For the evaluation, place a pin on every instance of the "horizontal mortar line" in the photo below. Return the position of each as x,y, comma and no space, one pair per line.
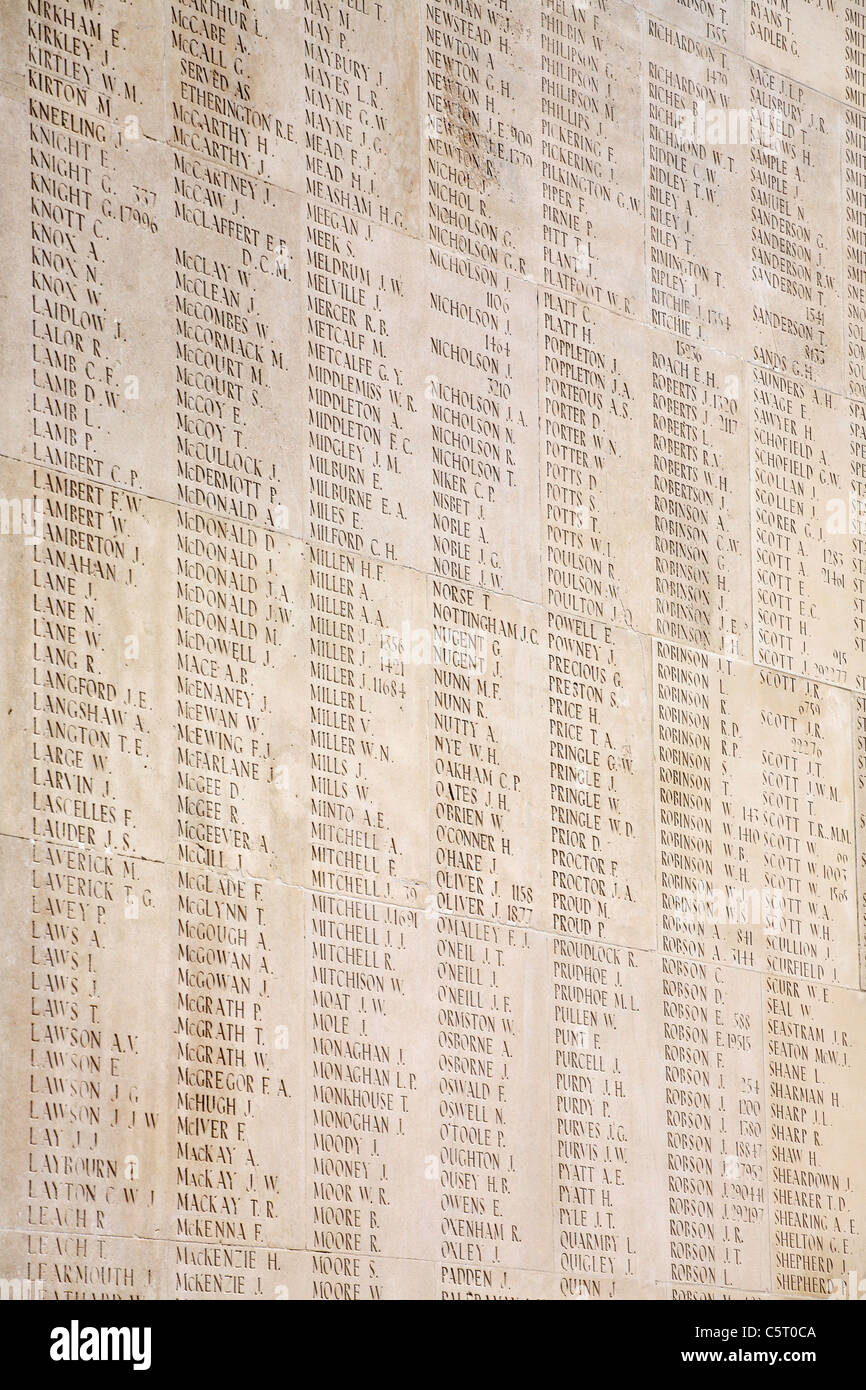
433,1261
540,285
526,279
171,1240
545,933
592,303
525,69
543,608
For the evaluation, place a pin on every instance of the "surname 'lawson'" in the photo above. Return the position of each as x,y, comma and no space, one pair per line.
75,1343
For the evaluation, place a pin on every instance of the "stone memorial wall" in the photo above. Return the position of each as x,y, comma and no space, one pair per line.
433,584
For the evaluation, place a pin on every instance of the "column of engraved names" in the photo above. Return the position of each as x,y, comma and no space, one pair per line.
766,884
97,1119
357,260
814,1062
591,165
486,836
480,179
694,188
481,152
699,479
599,788
799,418
234,242
365,948
851,509
713,1094
367,860
854,174
698,126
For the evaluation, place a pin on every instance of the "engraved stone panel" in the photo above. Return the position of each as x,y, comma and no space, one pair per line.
433,691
